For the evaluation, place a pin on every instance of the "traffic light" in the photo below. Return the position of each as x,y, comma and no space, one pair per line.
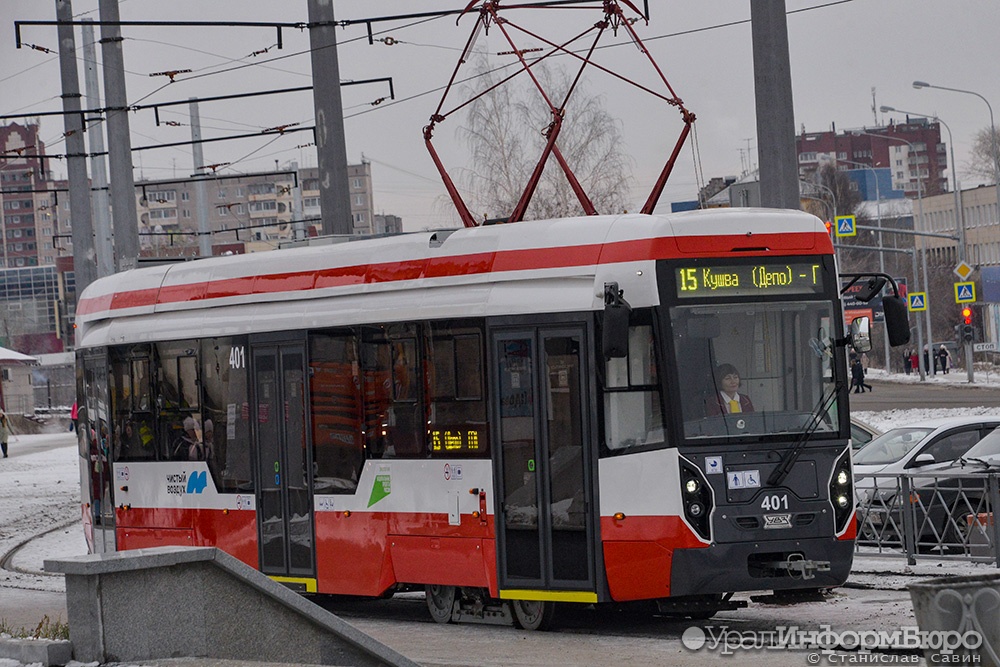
967,315
968,333
829,227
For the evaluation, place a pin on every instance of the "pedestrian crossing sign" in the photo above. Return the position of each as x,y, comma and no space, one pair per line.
965,292
845,225
918,301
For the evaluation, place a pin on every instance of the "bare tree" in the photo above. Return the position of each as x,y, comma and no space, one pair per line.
505,134
982,161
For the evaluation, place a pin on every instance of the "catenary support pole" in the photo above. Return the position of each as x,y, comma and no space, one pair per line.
126,226
779,169
331,145
201,189
98,163
84,257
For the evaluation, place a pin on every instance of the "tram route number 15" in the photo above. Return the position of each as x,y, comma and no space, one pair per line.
237,357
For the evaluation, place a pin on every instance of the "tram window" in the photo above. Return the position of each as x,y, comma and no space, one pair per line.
404,371
457,411
633,413
226,410
178,375
336,410
177,395
132,431
394,414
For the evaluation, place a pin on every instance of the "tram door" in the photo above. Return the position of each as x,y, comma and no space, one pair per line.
545,528
94,436
284,465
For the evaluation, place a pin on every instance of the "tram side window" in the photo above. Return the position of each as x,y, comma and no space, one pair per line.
226,410
632,405
133,426
337,413
177,396
457,417
394,414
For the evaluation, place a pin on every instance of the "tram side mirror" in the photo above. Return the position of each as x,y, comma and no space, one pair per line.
615,331
870,289
861,336
897,321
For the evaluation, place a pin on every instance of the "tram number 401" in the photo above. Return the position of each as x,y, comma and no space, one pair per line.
237,357
774,502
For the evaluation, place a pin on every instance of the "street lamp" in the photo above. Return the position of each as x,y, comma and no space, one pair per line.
993,130
921,366
959,214
833,197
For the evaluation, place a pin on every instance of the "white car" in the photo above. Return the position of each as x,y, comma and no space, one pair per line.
862,433
924,446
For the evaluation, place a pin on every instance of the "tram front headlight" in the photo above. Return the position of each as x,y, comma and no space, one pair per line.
843,479
692,486
843,501
696,509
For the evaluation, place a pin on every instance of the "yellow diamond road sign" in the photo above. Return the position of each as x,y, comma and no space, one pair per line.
963,270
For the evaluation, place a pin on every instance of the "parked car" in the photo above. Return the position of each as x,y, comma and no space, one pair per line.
958,498
862,433
929,446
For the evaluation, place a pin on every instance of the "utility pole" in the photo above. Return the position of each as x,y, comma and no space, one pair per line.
84,258
779,169
201,190
126,226
331,145
103,241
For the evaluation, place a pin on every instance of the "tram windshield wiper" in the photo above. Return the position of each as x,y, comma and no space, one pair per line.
781,471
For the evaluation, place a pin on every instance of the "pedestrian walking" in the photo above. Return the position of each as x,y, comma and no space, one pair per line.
944,359
4,432
906,361
915,360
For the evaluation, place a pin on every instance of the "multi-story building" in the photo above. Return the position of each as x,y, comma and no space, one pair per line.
30,225
35,313
359,185
254,212
912,151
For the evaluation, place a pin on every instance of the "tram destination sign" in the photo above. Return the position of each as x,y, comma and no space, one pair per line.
772,277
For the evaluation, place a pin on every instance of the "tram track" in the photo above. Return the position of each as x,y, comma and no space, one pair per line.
7,559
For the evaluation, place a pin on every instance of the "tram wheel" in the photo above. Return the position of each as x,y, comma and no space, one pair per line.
533,614
440,602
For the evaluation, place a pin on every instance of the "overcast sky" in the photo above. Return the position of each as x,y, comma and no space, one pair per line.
839,51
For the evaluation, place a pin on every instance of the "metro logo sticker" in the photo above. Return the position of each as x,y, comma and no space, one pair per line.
381,487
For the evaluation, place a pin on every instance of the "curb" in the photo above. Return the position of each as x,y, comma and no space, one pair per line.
46,652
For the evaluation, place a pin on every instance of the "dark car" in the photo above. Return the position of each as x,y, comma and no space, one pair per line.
926,455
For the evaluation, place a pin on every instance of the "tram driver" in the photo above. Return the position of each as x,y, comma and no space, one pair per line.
727,399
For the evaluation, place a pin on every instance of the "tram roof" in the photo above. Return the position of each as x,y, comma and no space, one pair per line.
442,273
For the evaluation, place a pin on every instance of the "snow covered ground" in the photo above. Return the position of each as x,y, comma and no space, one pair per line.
40,518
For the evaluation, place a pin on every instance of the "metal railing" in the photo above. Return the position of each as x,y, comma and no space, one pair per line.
943,515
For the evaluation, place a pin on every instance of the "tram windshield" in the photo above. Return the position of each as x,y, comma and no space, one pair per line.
755,369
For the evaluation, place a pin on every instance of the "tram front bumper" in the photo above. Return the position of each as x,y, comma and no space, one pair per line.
770,565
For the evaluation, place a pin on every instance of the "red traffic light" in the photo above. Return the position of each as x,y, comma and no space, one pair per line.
967,315
829,227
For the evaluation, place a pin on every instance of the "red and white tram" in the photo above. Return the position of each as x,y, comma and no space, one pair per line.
469,411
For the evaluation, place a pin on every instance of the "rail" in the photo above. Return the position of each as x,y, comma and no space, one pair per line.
929,515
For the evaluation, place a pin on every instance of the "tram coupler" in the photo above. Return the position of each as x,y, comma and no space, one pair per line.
797,566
